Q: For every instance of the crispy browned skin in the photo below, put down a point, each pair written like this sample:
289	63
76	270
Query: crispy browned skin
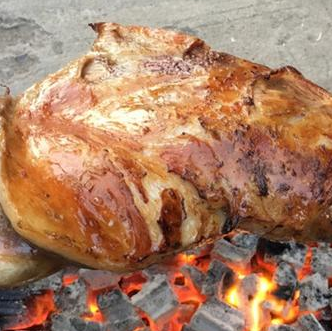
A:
143	146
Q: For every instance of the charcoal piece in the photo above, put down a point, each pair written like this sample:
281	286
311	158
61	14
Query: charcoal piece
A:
229	252
248	287
80	324
309	323
291	252
65	322
322	260
215	315
218	279
194	274
314	293
246	240
326	313
156	298
282	327
8	308
53	282
99	279
286	280
157	270
61	322
118	311
186	327
72	299
12	302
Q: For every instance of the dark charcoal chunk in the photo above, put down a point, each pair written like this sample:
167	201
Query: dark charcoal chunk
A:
156	298
310	323
73	298
290	252
286	280
119	312
215	315
186	327
12	302
314	293
218	278
195	275
322	260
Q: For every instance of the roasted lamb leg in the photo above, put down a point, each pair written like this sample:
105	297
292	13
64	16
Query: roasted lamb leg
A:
153	142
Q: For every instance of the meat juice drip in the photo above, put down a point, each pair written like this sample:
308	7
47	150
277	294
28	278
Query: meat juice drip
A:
260	305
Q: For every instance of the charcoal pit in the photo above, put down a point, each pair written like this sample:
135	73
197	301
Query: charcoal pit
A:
241	283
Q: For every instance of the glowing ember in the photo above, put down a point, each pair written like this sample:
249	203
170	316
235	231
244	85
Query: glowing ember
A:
39	309
261	306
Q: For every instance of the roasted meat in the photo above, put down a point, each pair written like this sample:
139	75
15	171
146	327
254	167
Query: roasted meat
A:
153	142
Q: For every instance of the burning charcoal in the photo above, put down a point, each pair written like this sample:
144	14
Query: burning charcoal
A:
218	278
246	240
314	292
290	252
156	298
231	253
249	286
310	323
282	327
322	260
99	279
286	280
195	275
118	311
215	315
73	298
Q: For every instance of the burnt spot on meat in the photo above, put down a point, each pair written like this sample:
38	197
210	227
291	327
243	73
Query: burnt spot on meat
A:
248	101
283	187
167	65
171	216
261	180
230	224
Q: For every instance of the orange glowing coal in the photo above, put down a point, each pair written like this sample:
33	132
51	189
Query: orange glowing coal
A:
264	308
261	308
39	309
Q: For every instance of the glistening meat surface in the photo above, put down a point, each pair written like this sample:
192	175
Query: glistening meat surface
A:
153	142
